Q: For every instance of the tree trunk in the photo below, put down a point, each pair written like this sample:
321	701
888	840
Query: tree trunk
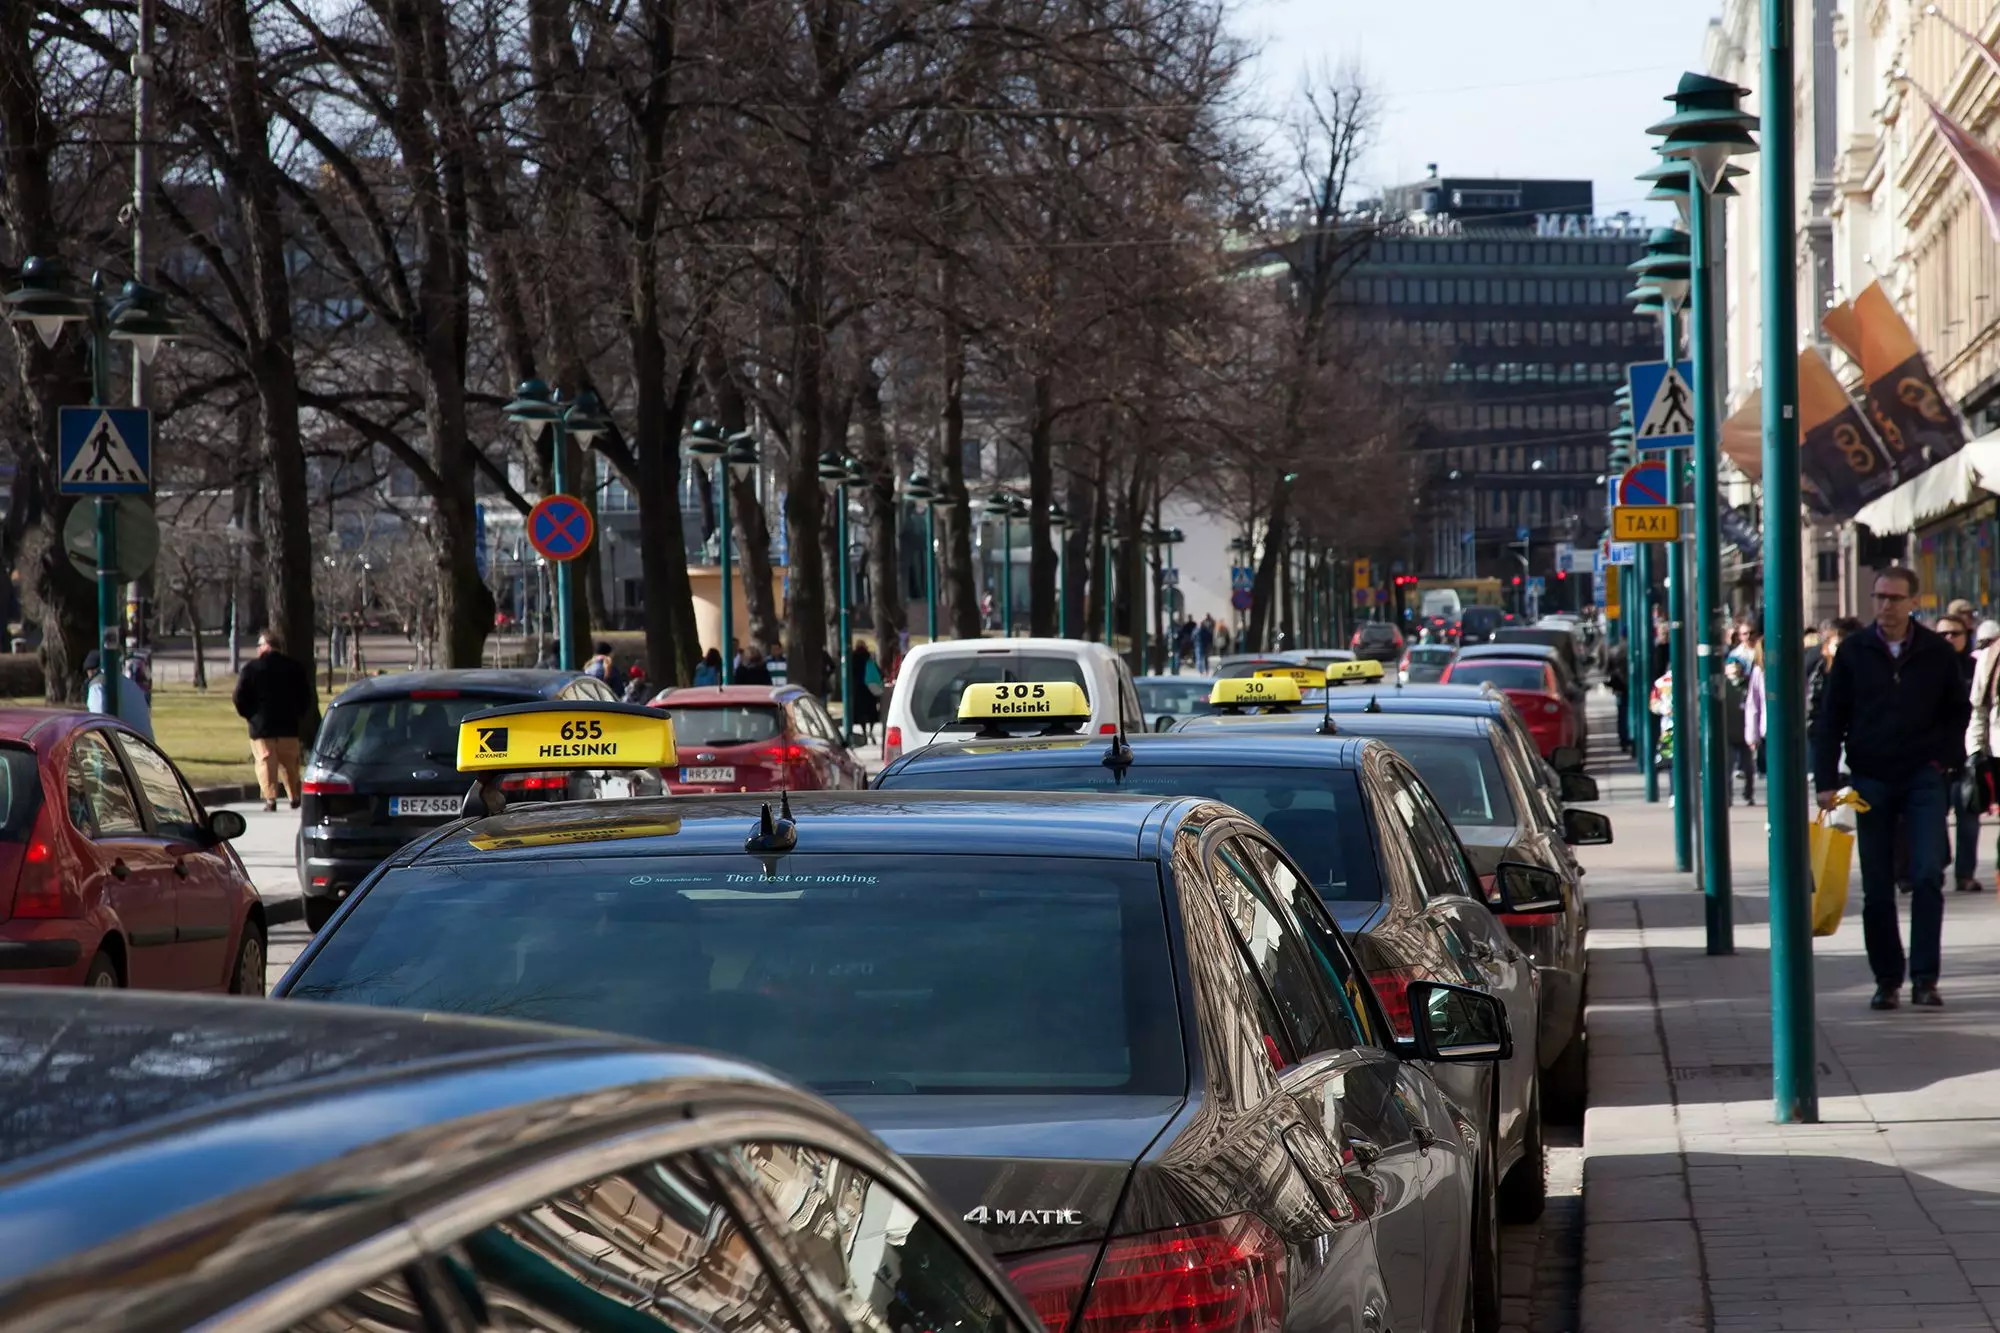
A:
1042	590
1264	585
672	646
885	513
958	594
805	621
746	506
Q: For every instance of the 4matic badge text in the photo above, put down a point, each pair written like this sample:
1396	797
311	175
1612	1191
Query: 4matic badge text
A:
1025	1217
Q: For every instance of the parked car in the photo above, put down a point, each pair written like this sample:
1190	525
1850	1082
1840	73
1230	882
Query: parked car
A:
1532	687
1424	663
272	1168
383	768
923	698
756	738
1378	640
1167	699
111	872
1558	637
1572	686
1476	624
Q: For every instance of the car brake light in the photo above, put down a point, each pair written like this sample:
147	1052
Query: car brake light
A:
433	694
40	893
781	754
535	782
1107	728
1527	918
1392	993
326	787
1225	1276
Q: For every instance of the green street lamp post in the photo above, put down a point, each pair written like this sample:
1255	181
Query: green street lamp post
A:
1058	524
1170	644
836	474
1110	535
1707	128
138	315
582	419
1666	275
1000	505
1017	512
919	492
725	455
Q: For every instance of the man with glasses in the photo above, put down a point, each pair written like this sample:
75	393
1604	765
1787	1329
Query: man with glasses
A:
1897	703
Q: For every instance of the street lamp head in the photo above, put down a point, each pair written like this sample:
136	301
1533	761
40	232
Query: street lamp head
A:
534	407
857	475
1017	509
1647	300
832	470
741	456
1708	127
43	299
997	505
140	316
1058	519
586	418
704	441
1666	265
919	491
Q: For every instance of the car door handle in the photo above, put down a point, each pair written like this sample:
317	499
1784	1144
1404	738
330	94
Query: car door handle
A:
120	869
1366	1151
1422	1134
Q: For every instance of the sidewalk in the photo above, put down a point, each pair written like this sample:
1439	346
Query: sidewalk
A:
1699	1212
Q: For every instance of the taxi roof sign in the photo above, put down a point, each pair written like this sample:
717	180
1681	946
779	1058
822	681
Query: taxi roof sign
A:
565	734
997	705
1340	673
1305	677
1239	692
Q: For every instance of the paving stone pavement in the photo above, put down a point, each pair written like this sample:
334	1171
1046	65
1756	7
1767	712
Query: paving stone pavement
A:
1700	1213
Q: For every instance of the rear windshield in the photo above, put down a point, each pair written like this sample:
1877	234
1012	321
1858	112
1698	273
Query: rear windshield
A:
1506	675
729	725
1462	774
1377	630
940	682
20	793
852	974
1179	698
377	731
1314	813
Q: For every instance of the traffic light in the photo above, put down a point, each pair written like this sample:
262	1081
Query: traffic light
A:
1561	574
1517	580
1406	580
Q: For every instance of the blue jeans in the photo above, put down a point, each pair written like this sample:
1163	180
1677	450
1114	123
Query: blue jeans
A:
1919	804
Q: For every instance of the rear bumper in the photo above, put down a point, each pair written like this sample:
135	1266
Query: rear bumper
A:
333	860
45	953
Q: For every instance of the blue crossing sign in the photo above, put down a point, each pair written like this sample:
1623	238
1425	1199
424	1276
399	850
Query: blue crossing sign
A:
1662	404
104	451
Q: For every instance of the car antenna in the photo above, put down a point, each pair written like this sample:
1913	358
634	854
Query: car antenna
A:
1374	704
1326	727
773	837
1119	757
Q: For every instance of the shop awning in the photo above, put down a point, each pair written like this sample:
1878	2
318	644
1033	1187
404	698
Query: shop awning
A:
1959	480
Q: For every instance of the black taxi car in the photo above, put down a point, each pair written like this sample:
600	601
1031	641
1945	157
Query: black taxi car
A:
171	1163
1120	1036
1370	841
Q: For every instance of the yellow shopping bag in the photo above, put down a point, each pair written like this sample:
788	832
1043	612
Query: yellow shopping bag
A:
1832	852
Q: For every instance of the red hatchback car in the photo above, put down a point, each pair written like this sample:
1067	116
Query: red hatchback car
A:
756	738
111	873
1531	686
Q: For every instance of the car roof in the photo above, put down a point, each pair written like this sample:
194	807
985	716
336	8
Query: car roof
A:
516	682
1216	747
714	696
974	647
831	823
30	722
1382	725
1189	679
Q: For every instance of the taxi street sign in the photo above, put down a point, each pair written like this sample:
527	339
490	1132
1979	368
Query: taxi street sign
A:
104	451
1023	701
1646	523
1258	689
1342	673
1307	677
565	735
1662	404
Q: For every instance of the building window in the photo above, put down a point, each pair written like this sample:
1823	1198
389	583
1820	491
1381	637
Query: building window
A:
1548	289
1516	418
1479	295
1430	291
1829	566
1483	416
1513	291
1563	293
1396	291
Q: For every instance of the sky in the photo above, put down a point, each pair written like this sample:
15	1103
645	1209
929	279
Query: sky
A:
1544	88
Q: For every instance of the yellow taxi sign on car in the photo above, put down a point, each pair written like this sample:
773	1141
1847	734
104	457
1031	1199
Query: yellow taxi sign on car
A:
1307	678
1342	673
1259	689
566	734
568	834
1024	701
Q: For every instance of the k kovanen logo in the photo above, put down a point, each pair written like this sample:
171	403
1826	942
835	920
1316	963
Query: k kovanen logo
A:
493	742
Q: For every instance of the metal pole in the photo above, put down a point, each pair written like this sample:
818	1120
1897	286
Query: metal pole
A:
1642	603
1062	589
1638	642
1713	766
565	645
1007	575
1171	644
108	638
1794	1078
846	659
930	567
1678	658
1109	540
722	539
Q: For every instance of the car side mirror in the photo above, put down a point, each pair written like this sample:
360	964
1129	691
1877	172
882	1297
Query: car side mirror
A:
1566	759
1528	889
1577	786
1457	1025
1586	828
226	825
1164	722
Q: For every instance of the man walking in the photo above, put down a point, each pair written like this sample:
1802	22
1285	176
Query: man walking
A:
1896	702
273	694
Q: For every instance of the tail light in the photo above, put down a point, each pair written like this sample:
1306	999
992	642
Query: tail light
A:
1226	1276
40	892
535	782
892	743
1107	728
1392	986
777	756
326	787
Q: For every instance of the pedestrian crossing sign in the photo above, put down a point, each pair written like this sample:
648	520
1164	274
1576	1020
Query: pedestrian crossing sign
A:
105	451
1662	404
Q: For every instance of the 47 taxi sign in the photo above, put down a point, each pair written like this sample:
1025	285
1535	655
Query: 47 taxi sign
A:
1645	523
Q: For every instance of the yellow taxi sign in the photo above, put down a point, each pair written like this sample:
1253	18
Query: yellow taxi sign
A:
1024	701
1257	689
1645	523
1341	673
1304	677
575	833
565	734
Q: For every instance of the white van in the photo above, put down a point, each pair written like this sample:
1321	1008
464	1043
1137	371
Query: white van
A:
923	699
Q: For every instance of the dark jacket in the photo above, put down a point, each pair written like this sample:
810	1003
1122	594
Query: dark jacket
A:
273	695
1893	714
1816	675
751	673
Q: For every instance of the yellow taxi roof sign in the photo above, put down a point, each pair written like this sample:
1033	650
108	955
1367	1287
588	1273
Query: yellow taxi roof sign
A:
1340	673
1306	677
565	734
566	834
1257	689
1024	701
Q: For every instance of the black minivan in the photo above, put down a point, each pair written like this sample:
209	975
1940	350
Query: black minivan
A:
384	768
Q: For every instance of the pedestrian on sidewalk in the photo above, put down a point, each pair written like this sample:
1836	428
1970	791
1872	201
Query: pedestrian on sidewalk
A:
1980	771
637	688
708	671
1618	676
1895	702
1204	644
274	694
600	665
1735	727
133	710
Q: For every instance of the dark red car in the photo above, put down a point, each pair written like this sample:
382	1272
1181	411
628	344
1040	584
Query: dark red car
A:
756	738
111	873
1531	686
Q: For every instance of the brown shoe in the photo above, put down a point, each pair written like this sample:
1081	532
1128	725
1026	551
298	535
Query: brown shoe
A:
270	805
